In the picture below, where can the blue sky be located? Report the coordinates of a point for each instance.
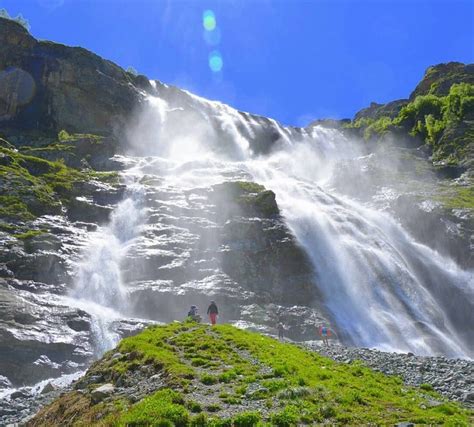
(293, 60)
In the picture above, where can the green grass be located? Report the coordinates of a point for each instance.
(298, 386)
(458, 198)
(32, 186)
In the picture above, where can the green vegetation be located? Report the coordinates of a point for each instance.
(272, 383)
(458, 198)
(250, 197)
(163, 408)
(64, 136)
(429, 117)
(32, 186)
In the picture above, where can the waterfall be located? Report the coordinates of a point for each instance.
(382, 288)
(99, 287)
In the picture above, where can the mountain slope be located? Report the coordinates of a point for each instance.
(233, 377)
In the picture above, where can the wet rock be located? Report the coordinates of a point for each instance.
(4, 382)
(20, 394)
(83, 209)
(468, 397)
(48, 388)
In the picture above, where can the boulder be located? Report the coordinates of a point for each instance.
(102, 392)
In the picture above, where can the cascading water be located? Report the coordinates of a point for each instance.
(99, 286)
(382, 288)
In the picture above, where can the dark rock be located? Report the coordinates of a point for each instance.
(438, 79)
(48, 388)
(82, 209)
(20, 394)
(63, 87)
(4, 382)
(468, 397)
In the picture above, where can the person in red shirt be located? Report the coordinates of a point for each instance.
(212, 312)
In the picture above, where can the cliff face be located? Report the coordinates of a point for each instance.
(48, 86)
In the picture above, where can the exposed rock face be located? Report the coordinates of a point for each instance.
(438, 79)
(375, 111)
(50, 87)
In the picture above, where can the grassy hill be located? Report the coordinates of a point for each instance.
(185, 374)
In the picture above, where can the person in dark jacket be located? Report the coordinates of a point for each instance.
(212, 312)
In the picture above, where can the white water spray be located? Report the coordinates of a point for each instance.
(382, 288)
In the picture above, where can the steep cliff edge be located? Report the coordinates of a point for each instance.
(48, 87)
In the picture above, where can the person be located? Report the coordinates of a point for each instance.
(324, 333)
(281, 331)
(193, 314)
(212, 312)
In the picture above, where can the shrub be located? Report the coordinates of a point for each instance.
(214, 407)
(158, 409)
(131, 70)
(193, 406)
(199, 421)
(327, 411)
(19, 18)
(209, 379)
(286, 418)
(228, 376)
(247, 419)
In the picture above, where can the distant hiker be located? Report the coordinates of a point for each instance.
(324, 332)
(281, 331)
(193, 314)
(212, 312)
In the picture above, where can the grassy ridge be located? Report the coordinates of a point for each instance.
(224, 376)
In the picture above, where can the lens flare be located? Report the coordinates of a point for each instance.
(209, 20)
(215, 61)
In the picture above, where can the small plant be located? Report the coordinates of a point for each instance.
(200, 420)
(228, 376)
(19, 18)
(133, 71)
(63, 136)
(209, 379)
(286, 418)
(327, 411)
(193, 406)
(426, 387)
(214, 407)
(247, 419)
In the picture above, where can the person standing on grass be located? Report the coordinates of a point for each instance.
(212, 312)
(324, 333)
(281, 331)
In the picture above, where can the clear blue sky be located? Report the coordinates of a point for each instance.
(292, 60)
